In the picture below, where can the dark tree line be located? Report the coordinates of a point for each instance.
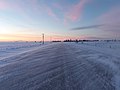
(80, 40)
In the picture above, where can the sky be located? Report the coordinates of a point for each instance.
(59, 19)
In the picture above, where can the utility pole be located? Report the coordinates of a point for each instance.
(43, 37)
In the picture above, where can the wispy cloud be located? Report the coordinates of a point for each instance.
(73, 14)
(51, 13)
(76, 10)
(41, 8)
(88, 27)
(24, 10)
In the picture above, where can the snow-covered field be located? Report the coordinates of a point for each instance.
(105, 44)
(63, 66)
(112, 48)
(8, 49)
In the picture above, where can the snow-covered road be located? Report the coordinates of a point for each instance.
(61, 66)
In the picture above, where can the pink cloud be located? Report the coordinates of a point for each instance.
(76, 11)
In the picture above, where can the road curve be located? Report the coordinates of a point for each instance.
(56, 67)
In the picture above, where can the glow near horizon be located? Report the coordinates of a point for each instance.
(28, 19)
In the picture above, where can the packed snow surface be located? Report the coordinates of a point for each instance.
(62, 66)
